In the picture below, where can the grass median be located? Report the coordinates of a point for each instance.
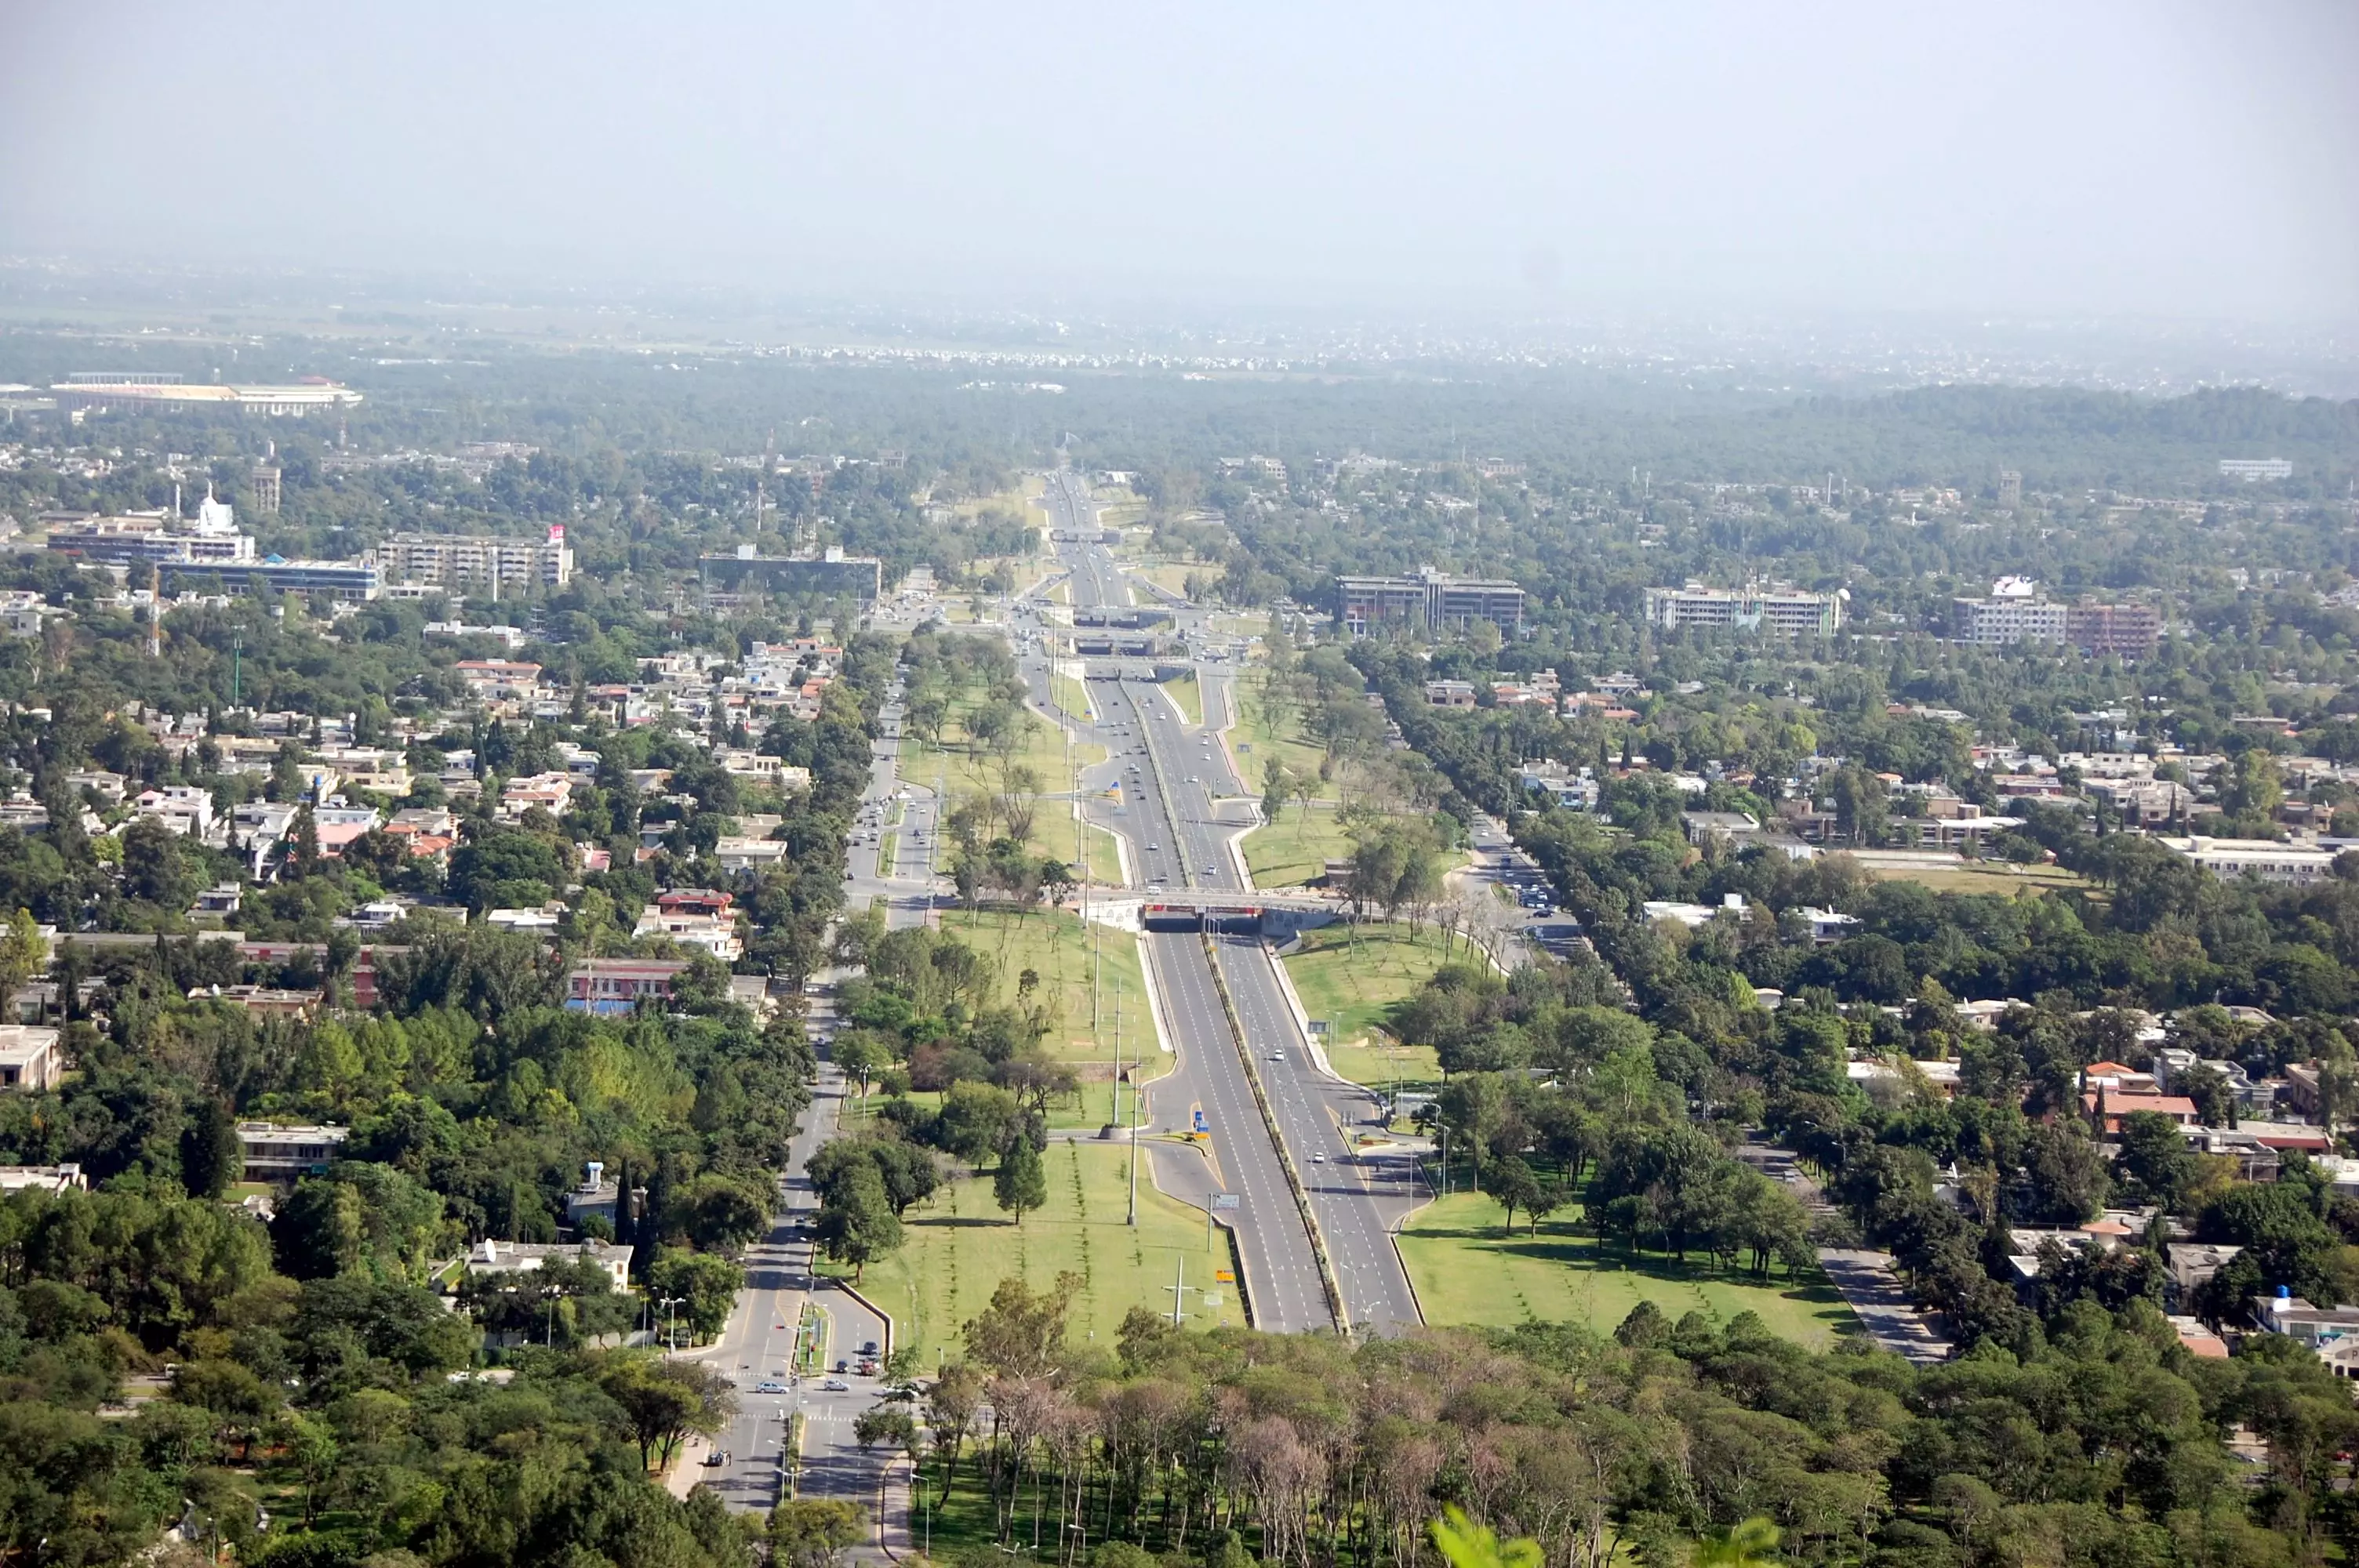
(1467, 1273)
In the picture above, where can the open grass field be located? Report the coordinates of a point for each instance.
(1055, 944)
(1352, 977)
(1466, 1272)
(1262, 740)
(1297, 848)
(1188, 697)
(960, 1245)
(1991, 877)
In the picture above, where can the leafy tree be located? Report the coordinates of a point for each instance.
(815, 1532)
(1021, 1183)
(662, 1401)
(705, 1286)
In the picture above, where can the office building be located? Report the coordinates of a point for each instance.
(2250, 469)
(1781, 611)
(2007, 616)
(2010, 489)
(341, 579)
(826, 575)
(2258, 857)
(456, 560)
(1431, 601)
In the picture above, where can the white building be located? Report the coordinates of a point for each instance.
(42, 1179)
(2258, 857)
(1785, 612)
(492, 1257)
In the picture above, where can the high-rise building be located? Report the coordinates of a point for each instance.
(2010, 489)
(2129, 630)
(462, 560)
(2005, 619)
(1785, 612)
(263, 482)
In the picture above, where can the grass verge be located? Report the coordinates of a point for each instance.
(960, 1245)
(1295, 849)
(1256, 739)
(1354, 984)
(1467, 1273)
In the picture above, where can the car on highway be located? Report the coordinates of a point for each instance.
(770, 1388)
(1318, 1158)
(1279, 1055)
(836, 1386)
(717, 1458)
(868, 1347)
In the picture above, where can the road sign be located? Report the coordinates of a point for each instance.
(1225, 1276)
(1226, 1201)
(1318, 1026)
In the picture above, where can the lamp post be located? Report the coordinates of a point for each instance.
(671, 1322)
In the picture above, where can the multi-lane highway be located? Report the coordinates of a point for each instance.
(1182, 807)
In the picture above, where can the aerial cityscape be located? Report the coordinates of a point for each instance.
(1184, 790)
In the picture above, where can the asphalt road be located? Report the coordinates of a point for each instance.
(1183, 841)
(758, 1344)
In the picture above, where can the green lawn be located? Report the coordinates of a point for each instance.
(1353, 986)
(1054, 944)
(964, 772)
(1071, 697)
(1995, 877)
(959, 1246)
(1296, 847)
(1187, 696)
(1466, 1272)
(885, 847)
(1289, 743)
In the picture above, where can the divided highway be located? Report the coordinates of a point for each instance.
(1183, 841)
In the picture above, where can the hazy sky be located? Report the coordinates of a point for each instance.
(2150, 158)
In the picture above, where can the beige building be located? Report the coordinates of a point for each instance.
(29, 1061)
(473, 560)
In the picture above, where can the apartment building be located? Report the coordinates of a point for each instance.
(471, 560)
(1781, 611)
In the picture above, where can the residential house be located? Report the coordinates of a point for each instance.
(275, 1152)
(495, 1258)
(29, 1059)
(51, 1179)
(618, 985)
